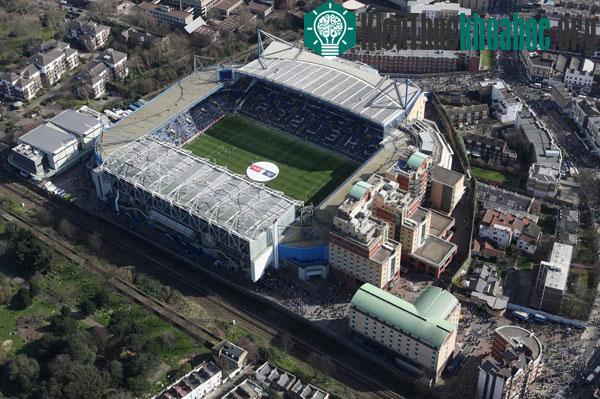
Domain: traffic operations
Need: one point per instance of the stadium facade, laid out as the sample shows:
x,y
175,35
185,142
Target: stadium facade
x,y
227,216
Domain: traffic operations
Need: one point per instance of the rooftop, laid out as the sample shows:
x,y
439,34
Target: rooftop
x,y
518,336
209,191
340,82
558,266
434,251
498,198
75,122
446,176
430,327
47,139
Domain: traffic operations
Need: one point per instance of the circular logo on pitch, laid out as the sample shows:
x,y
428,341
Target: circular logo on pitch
x,y
262,171
330,30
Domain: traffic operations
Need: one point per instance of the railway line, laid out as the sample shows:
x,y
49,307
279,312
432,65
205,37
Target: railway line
x,y
239,309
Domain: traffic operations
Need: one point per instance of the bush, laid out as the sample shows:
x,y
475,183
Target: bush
x,y
88,307
22,299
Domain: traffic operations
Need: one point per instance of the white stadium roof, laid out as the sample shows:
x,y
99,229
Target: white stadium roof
x,y
207,191
342,83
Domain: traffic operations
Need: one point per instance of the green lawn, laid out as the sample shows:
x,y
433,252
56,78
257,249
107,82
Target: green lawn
x,y
306,173
9,317
488,175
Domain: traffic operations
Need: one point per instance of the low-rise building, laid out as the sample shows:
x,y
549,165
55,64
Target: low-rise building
x,y
514,364
490,150
484,283
538,66
225,8
491,197
196,384
229,356
359,245
587,117
52,147
561,95
421,335
580,75
135,37
505,105
245,390
504,229
551,281
111,65
21,85
467,115
409,61
567,227
262,11
280,380
172,16
446,189
90,35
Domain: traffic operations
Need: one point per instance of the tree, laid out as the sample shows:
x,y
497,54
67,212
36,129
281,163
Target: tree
x,y
27,252
35,284
22,299
101,298
88,307
20,375
287,342
66,228
5,292
252,349
116,372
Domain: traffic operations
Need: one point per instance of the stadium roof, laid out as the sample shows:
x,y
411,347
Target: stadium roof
x,y
179,97
340,82
424,320
208,191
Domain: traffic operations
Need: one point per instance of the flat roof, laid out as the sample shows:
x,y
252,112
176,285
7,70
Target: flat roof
x,y
558,266
430,328
179,97
501,199
342,83
446,176
47,139
434,251
75,123
439,222
206,190
520,336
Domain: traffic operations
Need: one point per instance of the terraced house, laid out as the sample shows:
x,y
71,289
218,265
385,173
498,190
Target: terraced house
x,y
421,336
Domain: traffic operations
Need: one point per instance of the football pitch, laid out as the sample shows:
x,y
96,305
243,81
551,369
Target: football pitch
x,y
306,172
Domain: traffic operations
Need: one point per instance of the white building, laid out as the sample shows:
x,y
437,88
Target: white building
x,y
433,9
196,384
551,283
505,105
580,75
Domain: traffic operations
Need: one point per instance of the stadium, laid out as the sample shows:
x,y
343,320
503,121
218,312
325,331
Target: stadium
x,y
225,158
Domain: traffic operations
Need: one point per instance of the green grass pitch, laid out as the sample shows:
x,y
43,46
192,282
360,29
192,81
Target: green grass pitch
x,y
306,173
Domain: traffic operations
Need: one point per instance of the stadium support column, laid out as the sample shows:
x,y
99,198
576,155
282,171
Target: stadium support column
x,y
275,245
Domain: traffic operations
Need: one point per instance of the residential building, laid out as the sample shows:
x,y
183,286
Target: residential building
x,y
446,189
491,197
167,15
567,227
201,7
359,245
421,335
236,21
134,37
433,9
391,204
544,172
425,236
409,61
229,356
430,142
538,66
21,85
504,103
262,11
280,380
486,291
196,384
551,281
111,65
514,364
487,149
504,229
467,115
580,75
587,117
561,95
245,390
485,249
90,35
225,8
412,174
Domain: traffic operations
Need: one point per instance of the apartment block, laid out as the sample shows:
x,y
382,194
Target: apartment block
x,y
111,65
90,34
504,103
551,282
359,246
580,75
467,115
490,150
514,364
421,335
412,174
21,85
411,61
168,15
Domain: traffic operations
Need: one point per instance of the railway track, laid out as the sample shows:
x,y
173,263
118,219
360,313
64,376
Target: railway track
x,y
155,258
